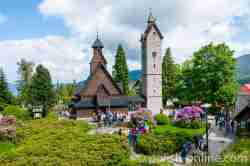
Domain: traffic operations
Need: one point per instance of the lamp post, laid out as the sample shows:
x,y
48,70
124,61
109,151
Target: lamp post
x,y
206,106
207,57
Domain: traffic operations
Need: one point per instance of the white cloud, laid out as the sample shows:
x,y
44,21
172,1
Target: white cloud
x,y
2,18
186,27
63,57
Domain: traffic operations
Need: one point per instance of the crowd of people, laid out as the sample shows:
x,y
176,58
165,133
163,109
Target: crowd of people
x,y
109,118
222,122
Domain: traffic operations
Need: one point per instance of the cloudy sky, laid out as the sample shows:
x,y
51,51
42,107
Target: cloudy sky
x,y
59,33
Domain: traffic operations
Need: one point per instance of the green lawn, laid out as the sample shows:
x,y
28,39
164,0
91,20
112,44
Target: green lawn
x,y
6,147
170,128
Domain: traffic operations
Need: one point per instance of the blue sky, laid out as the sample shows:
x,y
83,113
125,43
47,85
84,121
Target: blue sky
x,y
25,21
59,33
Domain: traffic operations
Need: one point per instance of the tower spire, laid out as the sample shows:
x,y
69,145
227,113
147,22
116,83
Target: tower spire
x,y
151,18
98,43
97,35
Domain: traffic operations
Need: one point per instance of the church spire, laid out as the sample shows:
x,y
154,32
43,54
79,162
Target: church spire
x,y
98,43
151,18
98,57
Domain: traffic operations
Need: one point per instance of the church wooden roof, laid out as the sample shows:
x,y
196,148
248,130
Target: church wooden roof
x,y
115,101
90,86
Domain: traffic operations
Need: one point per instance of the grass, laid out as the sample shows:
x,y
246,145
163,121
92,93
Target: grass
x,y
162,129
6,147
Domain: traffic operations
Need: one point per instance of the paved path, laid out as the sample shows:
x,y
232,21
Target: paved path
x,y
218,141
103,130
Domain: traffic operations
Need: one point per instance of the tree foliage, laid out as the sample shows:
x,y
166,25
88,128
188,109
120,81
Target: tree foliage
x,y
120,69
65,92
184,88
25,71
5,94
209,76
41,89
169,77
214,74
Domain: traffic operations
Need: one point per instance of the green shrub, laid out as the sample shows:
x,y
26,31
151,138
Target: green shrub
x,y
161,119
19,113
166,139
193,124
151,144
65,142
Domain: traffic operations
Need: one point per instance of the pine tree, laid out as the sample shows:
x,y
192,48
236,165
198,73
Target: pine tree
x,y
5,94
169,77
41,89
120,69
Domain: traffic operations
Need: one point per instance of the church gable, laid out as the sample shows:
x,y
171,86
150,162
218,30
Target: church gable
x,y
152,27
101,77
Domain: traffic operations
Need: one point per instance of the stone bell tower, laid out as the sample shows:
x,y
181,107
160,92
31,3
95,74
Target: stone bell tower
x,y
151,41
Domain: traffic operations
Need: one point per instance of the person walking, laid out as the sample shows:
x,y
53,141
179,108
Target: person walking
x,y
232,126
216,119
196,142
185,149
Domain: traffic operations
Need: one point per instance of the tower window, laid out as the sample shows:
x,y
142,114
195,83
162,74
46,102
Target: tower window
x,y
154,54
154,33
154,66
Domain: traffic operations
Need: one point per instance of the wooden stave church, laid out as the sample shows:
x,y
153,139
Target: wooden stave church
x,y
99,92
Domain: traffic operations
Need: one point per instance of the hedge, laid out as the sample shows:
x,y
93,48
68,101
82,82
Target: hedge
x,y
166,140
161,119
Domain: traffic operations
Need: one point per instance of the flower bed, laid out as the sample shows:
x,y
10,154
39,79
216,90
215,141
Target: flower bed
x,y
189,117
7,128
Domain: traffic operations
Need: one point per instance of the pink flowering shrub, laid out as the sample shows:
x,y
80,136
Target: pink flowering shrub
x,y
7,128
188,117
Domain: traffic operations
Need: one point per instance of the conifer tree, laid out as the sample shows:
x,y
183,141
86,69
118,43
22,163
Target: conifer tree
x,y
169,77
5,94
120,69
41,90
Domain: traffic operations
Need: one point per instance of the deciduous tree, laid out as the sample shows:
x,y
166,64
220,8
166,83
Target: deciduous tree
x,y
25,71
214,74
